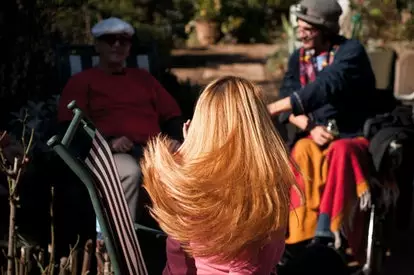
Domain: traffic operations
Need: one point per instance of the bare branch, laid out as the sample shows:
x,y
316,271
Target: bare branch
x,y
27,149
39,265
3,135
23,137
52,228
72,250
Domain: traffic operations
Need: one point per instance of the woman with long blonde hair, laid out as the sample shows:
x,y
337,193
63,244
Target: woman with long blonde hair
x,y
224,194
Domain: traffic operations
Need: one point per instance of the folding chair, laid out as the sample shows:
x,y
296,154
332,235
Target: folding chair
x,y
93,163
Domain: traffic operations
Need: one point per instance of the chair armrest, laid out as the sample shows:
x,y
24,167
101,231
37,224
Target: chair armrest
x,y
406,97
374,124
158,233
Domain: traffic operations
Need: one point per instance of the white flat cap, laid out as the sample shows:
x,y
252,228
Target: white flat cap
x,y
112,25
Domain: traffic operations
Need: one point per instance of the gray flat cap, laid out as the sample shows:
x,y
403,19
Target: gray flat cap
x,y
322,13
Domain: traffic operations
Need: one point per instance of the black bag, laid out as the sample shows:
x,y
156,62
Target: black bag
x,y
388,135
401,116
392,148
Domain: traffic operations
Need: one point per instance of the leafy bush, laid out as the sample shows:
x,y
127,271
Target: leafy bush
x,y
261,18
381,20
207,9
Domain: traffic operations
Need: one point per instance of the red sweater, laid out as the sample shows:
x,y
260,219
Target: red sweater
x,y
132,104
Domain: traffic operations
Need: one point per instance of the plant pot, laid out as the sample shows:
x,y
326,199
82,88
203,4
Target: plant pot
x,y
208,32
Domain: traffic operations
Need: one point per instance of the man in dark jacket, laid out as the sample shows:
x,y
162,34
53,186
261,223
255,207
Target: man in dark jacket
x,y
327,93
347,81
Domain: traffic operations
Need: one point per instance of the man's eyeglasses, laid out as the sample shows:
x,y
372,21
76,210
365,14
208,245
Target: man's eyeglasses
x,y
111,39
308,31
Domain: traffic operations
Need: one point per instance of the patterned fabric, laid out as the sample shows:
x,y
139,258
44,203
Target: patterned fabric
x,y
102,166
330,179
310,65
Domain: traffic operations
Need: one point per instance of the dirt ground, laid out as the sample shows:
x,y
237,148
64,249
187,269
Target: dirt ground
x,y
201,65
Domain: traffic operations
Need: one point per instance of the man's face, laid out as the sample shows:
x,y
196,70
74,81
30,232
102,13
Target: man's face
x,y
113,48
309,35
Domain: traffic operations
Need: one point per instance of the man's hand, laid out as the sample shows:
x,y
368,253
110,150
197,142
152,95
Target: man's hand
x,y
321,136
178,145
300,121
121,145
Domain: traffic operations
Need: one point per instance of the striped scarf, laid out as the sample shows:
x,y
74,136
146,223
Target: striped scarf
x,y
310,64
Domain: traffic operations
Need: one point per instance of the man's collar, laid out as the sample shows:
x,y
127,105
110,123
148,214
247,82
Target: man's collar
x,y
121,72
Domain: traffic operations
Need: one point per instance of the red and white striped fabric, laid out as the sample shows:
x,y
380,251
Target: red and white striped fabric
x,y
101,163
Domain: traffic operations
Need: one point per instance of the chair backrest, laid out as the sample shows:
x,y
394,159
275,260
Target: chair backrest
x,y
383,64
88,155
404,80
72,59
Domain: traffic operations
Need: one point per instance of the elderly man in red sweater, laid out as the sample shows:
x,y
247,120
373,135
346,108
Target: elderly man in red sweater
x,y
127,105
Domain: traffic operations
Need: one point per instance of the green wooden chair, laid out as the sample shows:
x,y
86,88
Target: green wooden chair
x,y
88,155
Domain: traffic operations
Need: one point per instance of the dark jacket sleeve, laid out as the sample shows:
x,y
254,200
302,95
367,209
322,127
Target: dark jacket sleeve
x,y
290,83
337,82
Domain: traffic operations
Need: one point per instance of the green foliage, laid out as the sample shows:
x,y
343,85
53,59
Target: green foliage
x,y
26,70
207,9
408,30
381,20
244,21
261,18
232,24
279,4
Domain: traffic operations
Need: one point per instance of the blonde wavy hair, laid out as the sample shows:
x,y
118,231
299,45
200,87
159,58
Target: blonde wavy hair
x,y
226,189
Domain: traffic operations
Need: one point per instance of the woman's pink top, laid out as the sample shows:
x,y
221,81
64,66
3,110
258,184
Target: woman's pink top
x,y
180,264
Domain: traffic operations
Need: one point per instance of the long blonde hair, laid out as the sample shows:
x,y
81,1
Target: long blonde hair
x,y
227,188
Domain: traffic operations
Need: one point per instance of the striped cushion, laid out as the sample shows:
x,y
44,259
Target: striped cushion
x,y
101,164
79,63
